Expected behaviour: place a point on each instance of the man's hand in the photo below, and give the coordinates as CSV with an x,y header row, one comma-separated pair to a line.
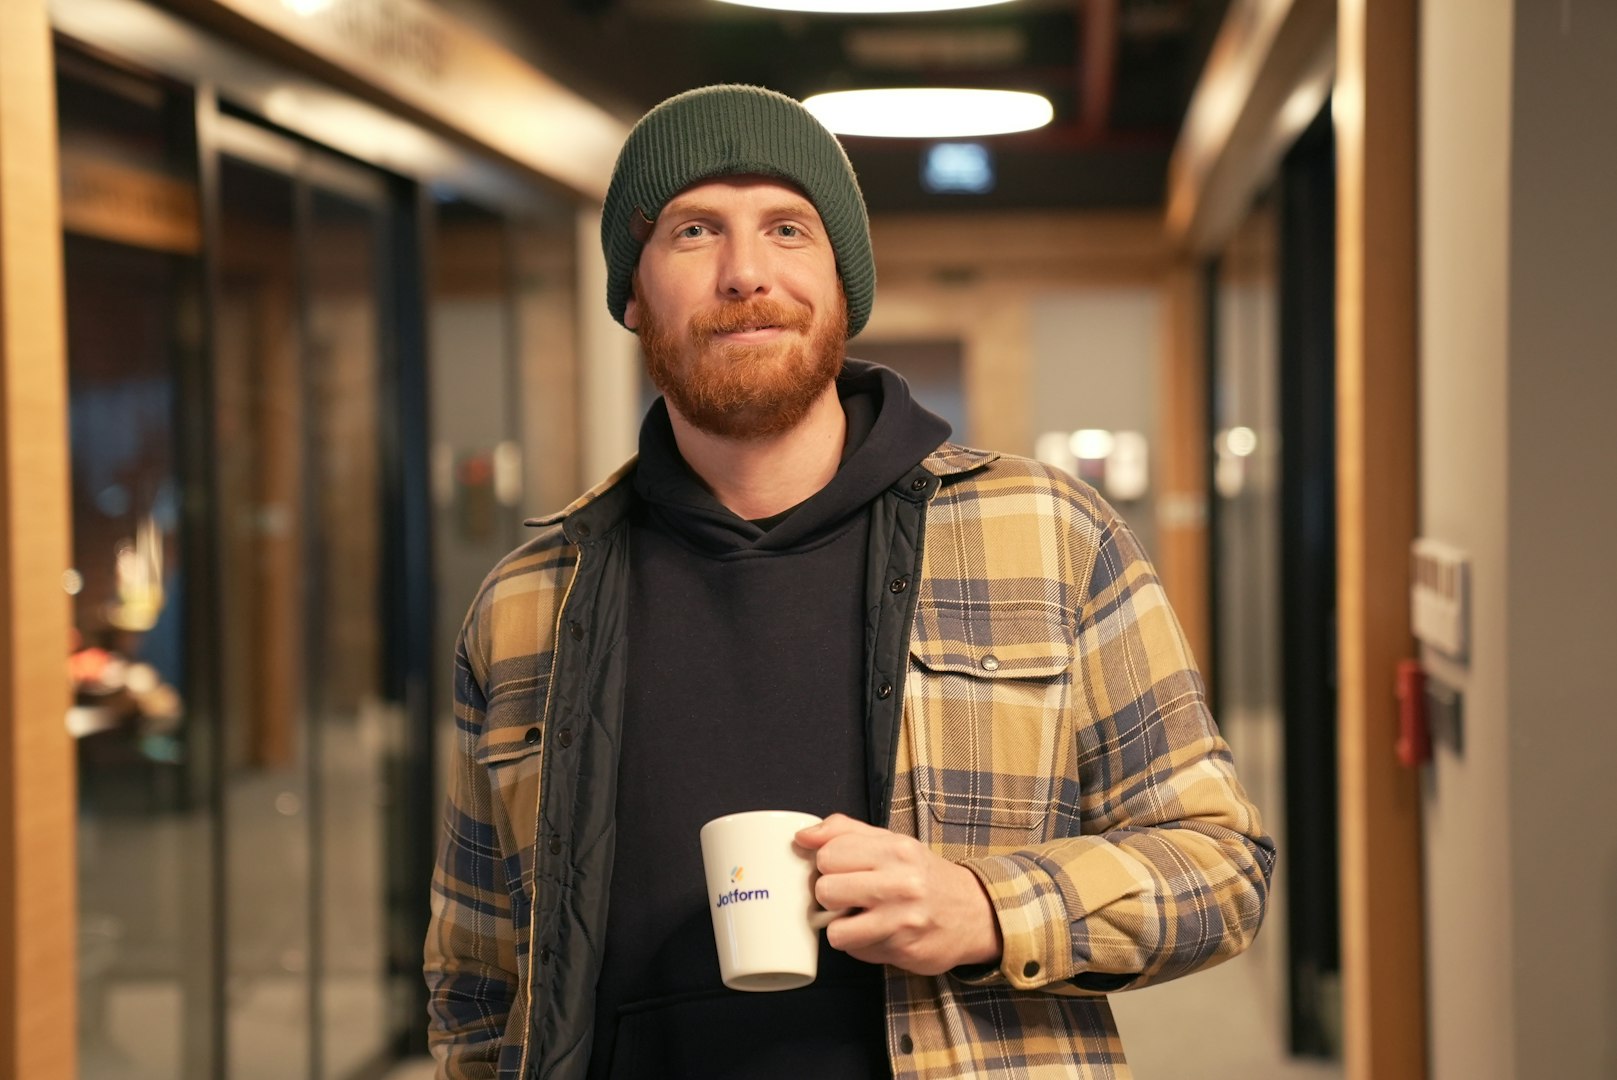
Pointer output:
x,y
907,906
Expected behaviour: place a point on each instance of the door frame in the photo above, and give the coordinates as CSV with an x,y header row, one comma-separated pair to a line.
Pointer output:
x,y
38,864
1270,54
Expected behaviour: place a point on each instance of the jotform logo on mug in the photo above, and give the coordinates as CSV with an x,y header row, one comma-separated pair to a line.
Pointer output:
x,y
736,896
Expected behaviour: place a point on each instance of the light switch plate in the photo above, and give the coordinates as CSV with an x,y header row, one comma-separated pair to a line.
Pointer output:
x,y
1440,596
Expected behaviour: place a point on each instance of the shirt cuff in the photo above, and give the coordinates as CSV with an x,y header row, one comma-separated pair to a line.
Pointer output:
x,y
1033,921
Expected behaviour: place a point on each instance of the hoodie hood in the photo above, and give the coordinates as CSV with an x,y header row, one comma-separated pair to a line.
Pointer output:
x,y
888,434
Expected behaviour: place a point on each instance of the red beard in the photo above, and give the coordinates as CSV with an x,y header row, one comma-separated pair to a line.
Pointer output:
x,y
737,390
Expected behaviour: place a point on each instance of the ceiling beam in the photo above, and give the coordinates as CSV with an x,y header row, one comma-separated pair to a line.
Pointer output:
x,y
1268,76
1098,68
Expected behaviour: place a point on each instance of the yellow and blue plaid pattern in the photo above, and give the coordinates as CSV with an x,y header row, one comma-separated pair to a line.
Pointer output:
x,y
1055,740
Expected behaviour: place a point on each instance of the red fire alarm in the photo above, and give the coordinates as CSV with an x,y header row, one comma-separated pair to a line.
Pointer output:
x,y
1414,734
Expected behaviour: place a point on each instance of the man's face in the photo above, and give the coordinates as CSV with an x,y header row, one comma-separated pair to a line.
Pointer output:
x,y
738,306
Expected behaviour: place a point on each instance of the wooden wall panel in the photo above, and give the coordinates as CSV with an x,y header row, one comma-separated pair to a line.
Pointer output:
x,y
37,878
1382,937
1183,553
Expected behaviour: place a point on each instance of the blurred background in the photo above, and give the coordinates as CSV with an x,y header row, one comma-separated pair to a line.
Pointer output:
x,y
302,312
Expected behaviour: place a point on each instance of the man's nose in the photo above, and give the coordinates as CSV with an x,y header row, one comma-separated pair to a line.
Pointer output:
x,y
744,272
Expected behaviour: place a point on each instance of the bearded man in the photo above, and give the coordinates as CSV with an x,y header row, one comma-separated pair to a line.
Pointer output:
x,y
801,596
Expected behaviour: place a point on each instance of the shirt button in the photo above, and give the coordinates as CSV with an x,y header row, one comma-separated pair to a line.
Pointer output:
x,y
531,736
906,1045
884,691
1031,968
990,662
555,845
918,484
576,629
898,584
565,736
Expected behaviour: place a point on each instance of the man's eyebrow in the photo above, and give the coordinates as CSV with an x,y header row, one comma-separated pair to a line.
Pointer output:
x,y
707,210
796,209
689,209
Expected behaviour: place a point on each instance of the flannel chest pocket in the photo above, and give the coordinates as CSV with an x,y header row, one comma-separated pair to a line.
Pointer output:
x,y
986,703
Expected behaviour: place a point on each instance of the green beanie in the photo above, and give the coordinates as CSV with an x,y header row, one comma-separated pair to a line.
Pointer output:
x,y
718,131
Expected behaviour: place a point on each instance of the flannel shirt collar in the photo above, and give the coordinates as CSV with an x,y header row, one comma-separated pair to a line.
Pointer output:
x,y
604,505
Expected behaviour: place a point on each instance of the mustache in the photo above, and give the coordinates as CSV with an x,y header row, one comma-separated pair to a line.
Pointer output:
x,y
749,314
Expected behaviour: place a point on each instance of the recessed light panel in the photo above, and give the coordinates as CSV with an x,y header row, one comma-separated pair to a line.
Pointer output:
x,y
864,7
930,112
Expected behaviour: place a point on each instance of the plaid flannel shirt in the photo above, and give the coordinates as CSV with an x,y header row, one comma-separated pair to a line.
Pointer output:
x,y
1055,740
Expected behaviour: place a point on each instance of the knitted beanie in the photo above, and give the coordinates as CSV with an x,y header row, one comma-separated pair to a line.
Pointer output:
x,y
730,130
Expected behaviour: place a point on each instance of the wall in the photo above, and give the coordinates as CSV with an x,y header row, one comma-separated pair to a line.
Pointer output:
x,y
1094,352
1518,161
1060,317
1562,597
608,364
1464,204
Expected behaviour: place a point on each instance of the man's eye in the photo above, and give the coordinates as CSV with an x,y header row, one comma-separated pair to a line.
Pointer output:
x,y
691,232
790,231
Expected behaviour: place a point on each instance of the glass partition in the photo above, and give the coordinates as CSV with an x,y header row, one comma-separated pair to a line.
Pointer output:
x,y
140,719
259,330
314,737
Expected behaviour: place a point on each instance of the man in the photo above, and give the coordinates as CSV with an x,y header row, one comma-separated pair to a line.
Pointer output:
x,y
800,596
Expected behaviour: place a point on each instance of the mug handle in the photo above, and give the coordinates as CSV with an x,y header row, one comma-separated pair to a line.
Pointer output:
x,y
821,919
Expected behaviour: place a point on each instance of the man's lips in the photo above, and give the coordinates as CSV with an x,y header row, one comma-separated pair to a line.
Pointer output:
x,y
751,333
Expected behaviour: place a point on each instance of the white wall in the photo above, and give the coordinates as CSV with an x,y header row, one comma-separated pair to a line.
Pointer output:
x,y
1518,451
1464,206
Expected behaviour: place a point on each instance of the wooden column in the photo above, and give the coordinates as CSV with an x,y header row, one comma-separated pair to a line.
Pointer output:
x,y
37,880
1182,549
1382,944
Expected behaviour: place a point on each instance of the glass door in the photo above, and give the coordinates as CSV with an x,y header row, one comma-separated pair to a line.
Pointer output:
x,y
314,739
1274,560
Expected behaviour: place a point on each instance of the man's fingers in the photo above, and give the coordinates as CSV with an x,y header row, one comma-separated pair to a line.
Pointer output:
x,y
817,836
862,931
854,851
860,889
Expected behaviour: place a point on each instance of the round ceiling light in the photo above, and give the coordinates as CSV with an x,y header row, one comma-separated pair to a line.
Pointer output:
x,y
929,113
864,7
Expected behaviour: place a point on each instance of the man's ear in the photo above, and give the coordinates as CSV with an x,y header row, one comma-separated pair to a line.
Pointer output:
x,y
631,314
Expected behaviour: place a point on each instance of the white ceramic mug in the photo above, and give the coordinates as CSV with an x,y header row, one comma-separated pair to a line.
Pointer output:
x,y
760,888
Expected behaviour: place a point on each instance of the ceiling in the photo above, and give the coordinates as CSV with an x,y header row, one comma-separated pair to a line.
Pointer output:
x,y
1119,73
